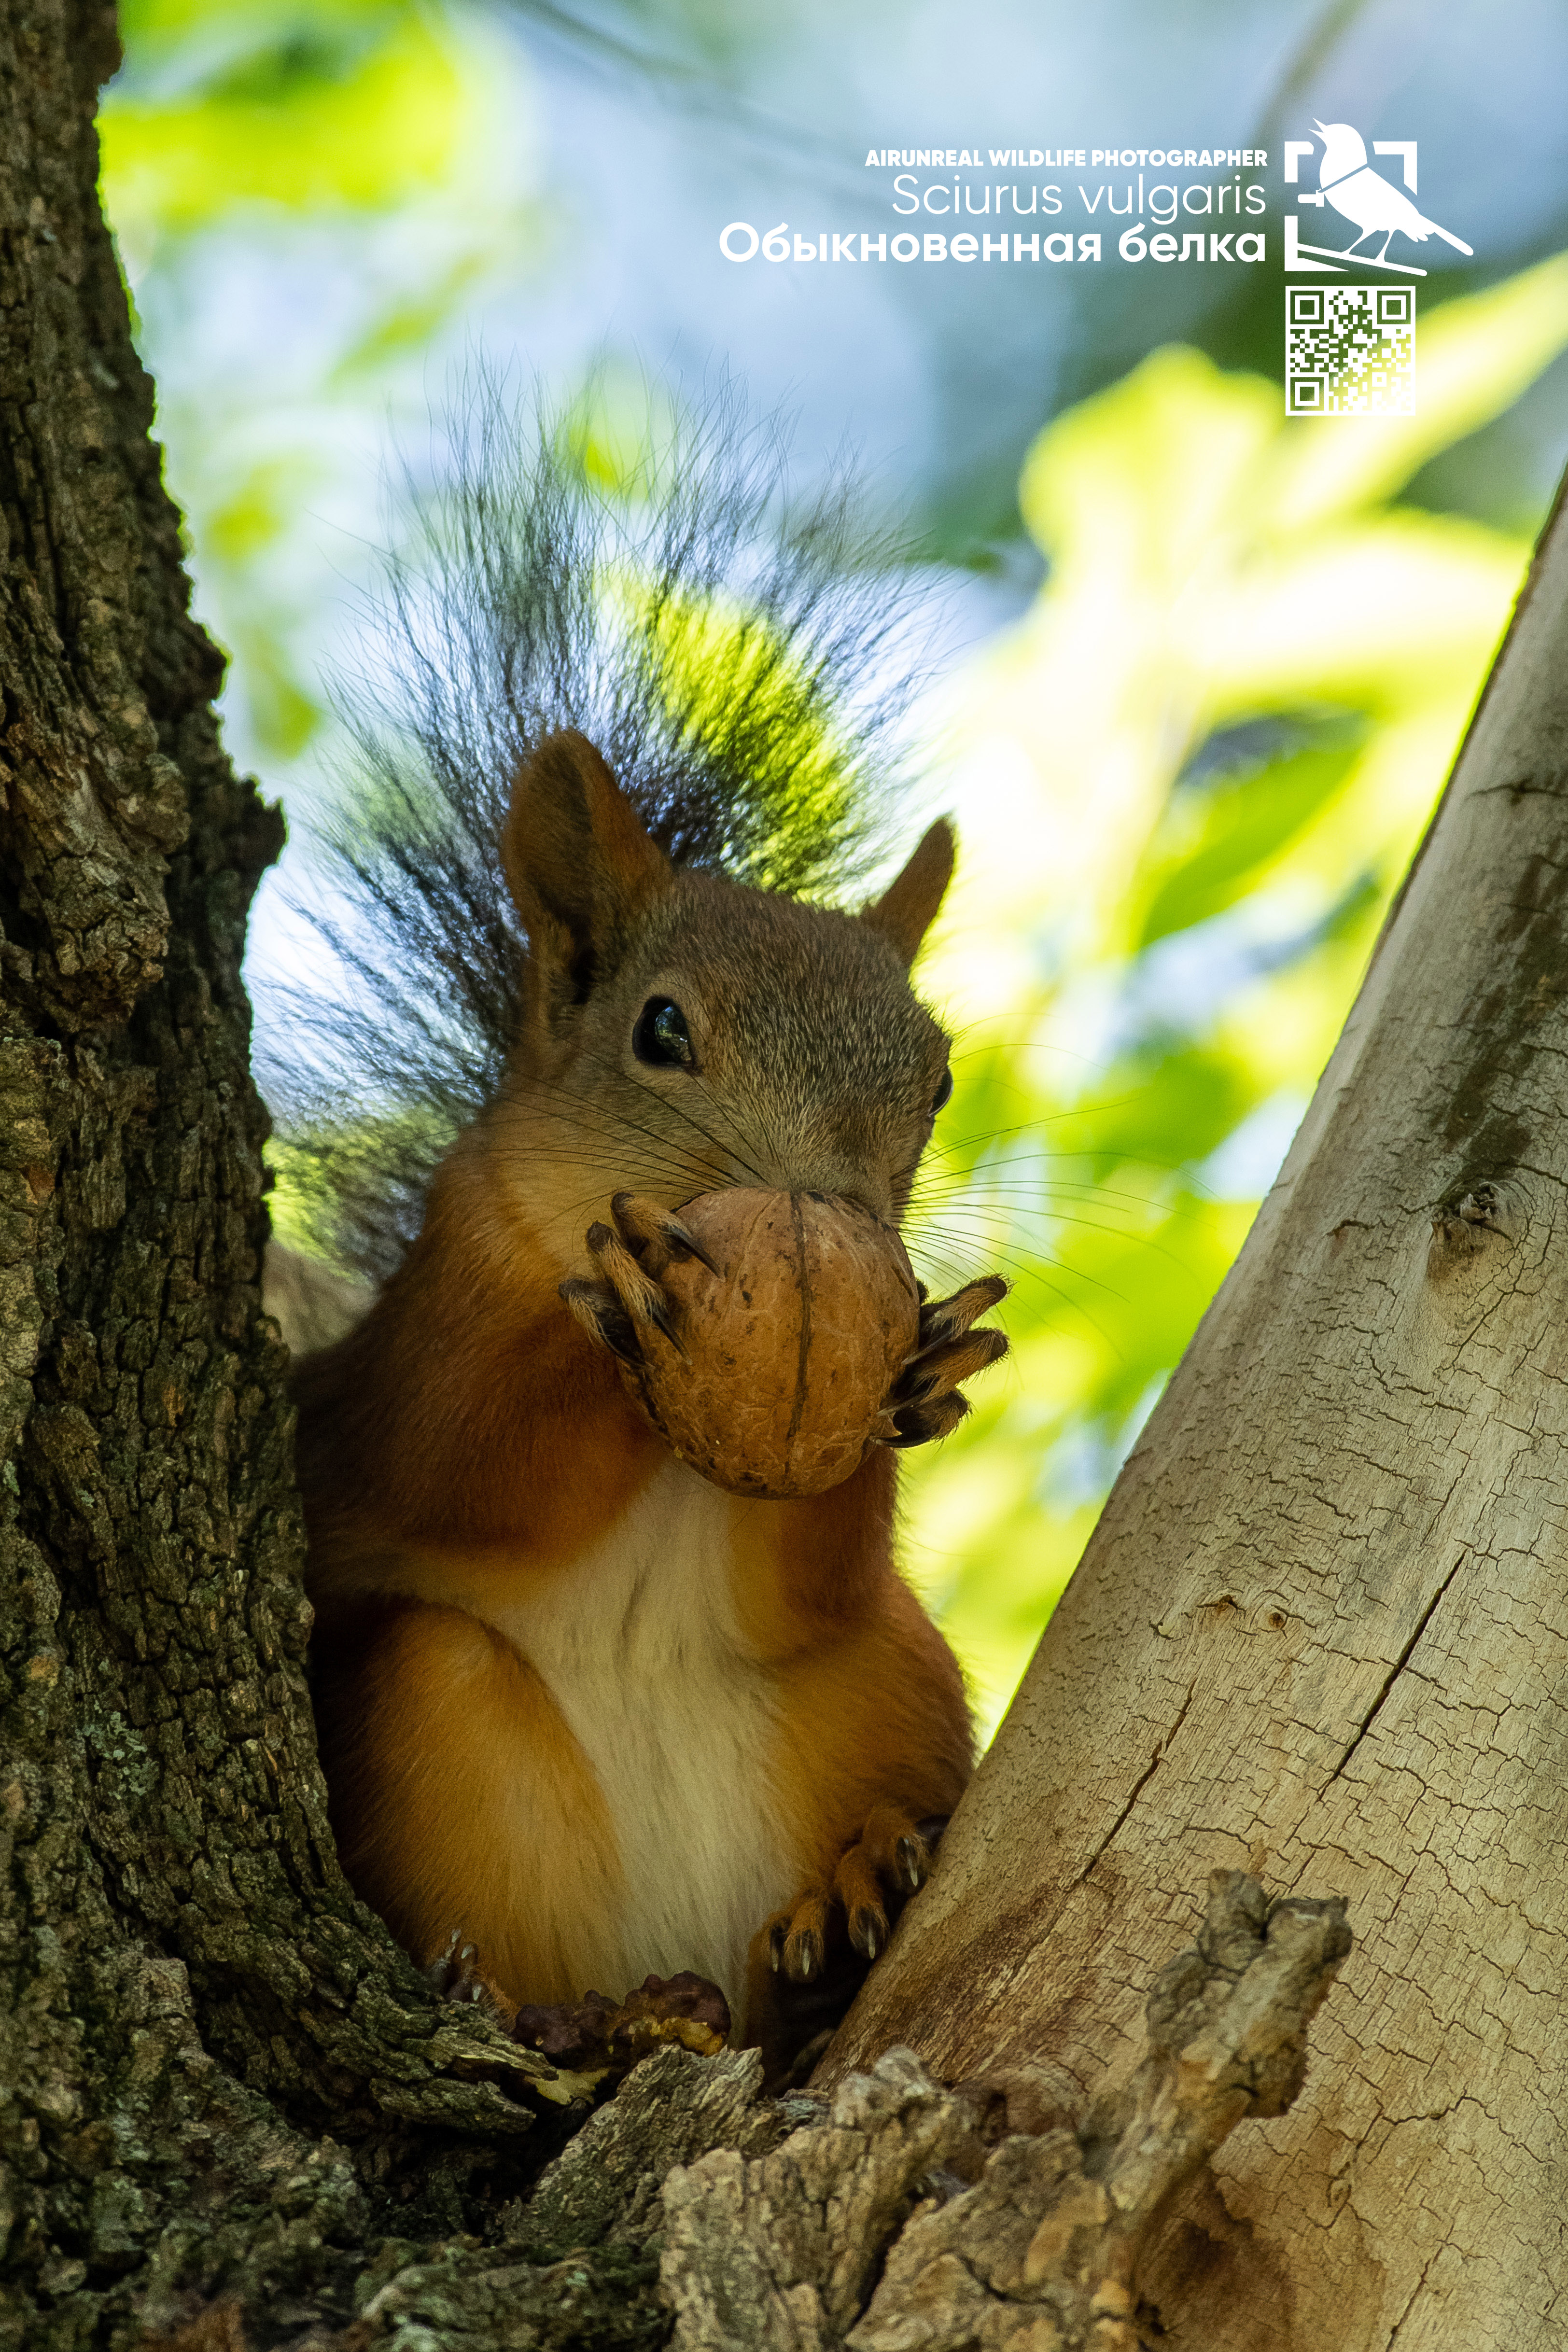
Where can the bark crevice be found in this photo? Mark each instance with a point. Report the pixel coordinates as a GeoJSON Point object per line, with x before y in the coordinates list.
{"type": "Point", "coordinates": [1395, 1671]}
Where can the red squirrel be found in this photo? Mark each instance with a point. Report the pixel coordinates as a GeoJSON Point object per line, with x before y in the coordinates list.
{"type": "Point", "coordinates": [598, 1714]}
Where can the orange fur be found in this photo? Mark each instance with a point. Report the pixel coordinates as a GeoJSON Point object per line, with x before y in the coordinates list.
{"type": "Point", "coordinates": [574, 1701]}
{"type": "Point", "coordinates": [442, 1418]}
{"type": "Point", "coordinates": [430, 1718]}
{"type": "Point", "coordinates": [466, 1448]}
{"type": "Point", "coordinates": [871, 1701]}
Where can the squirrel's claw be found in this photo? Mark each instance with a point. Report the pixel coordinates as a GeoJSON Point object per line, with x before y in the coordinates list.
{"type": "Point", "coordinates": [923, 1401]}
{"type": "Point", "coordinates": [615, 1310]}
{"type": "Point", "coordinates": [872, 1882]}
{"type": "Point", "coordinates": [917, 1425]}
{"type": "Point", "coordinates": [937, 1372]}
{"type": "Point", "coordinates": [603, 1319]}
{"type": "Point", "coordinates": [638, 1292]}
{"type": "Point", "coordinates": [456, 1974]}
{"type": "Point", "coordinates": [658, 1233]}
{"type": "Point", "coordinates": [945, 1318]}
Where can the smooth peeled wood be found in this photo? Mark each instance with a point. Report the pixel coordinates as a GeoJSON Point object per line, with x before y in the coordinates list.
{"type": "Point", "coordinates": [790, 1348]}
{"type": "Point", "coordinates": [1320, 1633]}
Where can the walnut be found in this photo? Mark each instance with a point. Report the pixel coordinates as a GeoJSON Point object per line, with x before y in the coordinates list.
{"type": "Point", "coordinates": [789, 1348]}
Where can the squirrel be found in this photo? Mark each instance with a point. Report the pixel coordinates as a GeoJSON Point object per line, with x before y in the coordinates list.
{"type": "Point", "coordinates": [576, 1705]}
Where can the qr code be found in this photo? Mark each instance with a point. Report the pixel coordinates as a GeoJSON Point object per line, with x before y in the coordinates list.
{"type": "Point", "coordinates": [1350, 350]}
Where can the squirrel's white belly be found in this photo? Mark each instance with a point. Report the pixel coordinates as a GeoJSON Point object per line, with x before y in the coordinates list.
{"type": "Point", "coordinates": [638, 1646]}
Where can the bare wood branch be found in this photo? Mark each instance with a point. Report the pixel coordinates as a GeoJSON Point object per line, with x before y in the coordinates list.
{"type": "Point", "coordinates": [1319, 1626]}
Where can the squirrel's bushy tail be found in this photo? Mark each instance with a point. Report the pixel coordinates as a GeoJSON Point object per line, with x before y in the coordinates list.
{"type": "Point", "coordinates": [735, 661]}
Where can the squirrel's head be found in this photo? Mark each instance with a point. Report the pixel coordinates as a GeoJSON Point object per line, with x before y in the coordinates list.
{"type": "Point", "coordinates": [682, 1031]}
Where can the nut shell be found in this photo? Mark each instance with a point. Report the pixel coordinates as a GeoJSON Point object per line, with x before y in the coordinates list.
{"type": "Point", "coordinates": [791, 1347]}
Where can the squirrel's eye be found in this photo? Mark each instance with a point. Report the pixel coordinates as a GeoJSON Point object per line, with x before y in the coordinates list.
{"type": "Point", "coordinates": [661, 1035]}
{"type": "Point", "coordinates": [943, 1094]}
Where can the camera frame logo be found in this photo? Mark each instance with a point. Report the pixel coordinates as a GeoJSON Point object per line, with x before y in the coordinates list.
{"type": "Point", "coordinates": [1349, 349]}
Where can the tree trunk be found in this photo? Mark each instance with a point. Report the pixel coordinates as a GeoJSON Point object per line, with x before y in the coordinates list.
{"type": "Point", "coordinates": [191, 1990]}
{"type": "Point", "coordinates": [1320, 1633]}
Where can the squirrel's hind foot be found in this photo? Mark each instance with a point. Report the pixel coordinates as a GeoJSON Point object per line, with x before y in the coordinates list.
{"type": "Point", "coordinates": [457, 1976]}
{"type": "Point", "coordinates": [873, 1881]}
{"type": "Point", "coordinates": [810, 1960]}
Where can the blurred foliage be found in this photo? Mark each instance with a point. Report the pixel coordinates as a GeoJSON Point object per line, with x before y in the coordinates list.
{"type": "Point", "coordinates": [356, 102]}
{"type": "Point", "coordinates": [1188, 784]}
{"type": "Point", "coordinates": [309, 196]}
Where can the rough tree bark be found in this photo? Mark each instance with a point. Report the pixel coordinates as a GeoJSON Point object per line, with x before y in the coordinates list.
{"type": "Point", "coordinates": [191, 1993]}
{"type": "Point", "coordinates": [1320, 1633]}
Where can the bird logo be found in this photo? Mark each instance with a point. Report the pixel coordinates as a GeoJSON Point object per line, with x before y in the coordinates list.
{"type": "Point", "coordinates": [1362, 196]}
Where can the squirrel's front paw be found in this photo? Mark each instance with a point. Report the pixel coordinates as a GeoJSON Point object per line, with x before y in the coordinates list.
{"type": "Point", "coordinates": [630, 1257]}
{"type": "Point", "coordinates": [923, 1401]}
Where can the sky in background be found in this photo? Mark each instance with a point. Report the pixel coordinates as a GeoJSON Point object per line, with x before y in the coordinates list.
{"type": "Point", "coordinates": [944, 377]}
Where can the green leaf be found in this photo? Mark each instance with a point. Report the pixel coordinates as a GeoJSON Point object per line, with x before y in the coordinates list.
{"type": "Point", "coordinates": [315, 115]}
{"type": "Point", "coordinates": [1214, 845]}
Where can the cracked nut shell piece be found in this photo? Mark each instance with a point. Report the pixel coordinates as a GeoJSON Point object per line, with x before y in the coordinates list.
{"type": "Point", "coordinates": [791, 1349]}
{"type": "Point", "coordinates": [595, 2035]}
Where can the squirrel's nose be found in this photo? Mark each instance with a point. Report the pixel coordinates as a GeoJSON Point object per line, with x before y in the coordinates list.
{"type": "Point", "coordinates": [840, 1180]}
{"type": "Point", "coordinates": [845, 1156]}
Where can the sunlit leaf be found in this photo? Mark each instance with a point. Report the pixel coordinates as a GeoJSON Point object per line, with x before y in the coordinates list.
{"type": "Point", "coordinates": [340, 107]}
{"type": "Point", "coordinates": [1213, 845]}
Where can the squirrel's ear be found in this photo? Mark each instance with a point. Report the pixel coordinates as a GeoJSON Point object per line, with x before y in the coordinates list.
{"type": "Point", "coordinates": [907, 907]}
{"type": "Point", "coordinates": [579, 866]}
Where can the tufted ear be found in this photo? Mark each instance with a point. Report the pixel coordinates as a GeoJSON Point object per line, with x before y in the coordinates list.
{"type": "Point", "coordinates": [579, 868]}
{"type": "Point", "coordinates": [907, 907]}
